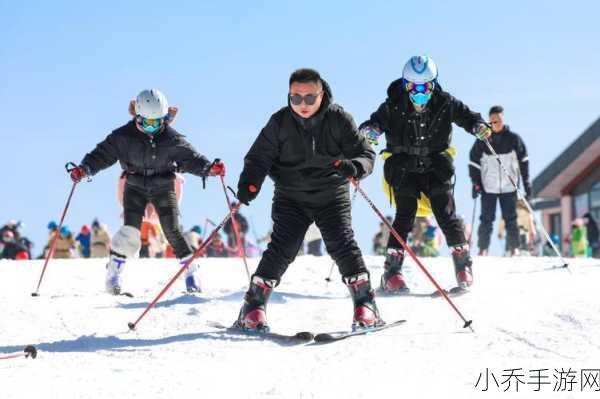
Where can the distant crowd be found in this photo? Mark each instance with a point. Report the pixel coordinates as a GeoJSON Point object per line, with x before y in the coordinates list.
{"type": "Point", "coordinates": [93, 241]}
{"type": "Point", "coordinates": [582, 241]}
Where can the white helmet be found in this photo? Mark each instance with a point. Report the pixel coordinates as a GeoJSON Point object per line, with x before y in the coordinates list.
{"type": "Point", "coordinates": [420, 69]}
{"type": "Point", "coordinates": [151, 104]}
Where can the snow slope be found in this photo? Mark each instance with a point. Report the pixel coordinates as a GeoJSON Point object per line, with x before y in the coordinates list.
{"type": "Point", "coordinates": [524, 317]}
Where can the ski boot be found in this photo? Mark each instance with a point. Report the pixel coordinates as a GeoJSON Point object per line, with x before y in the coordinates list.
{"type": "Point", "coordinates": [253, 314]}
{"type": "Point", "coordinates": [192, 282]}
{"type": "Point", "coordinates": [462, 265]}
{"type": "Point", "coordinates": [114, 267]}
{"type": "Point", "coordinates": [366, 313]}
{"type": "Point", "coordinates": [392, 280]}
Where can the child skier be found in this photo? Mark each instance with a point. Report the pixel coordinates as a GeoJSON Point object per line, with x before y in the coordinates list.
{"type": "Point", "coordinates": [150, 151]}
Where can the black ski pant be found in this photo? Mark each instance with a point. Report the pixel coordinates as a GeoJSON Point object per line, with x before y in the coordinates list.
{"type": "Point", "coordinates": [293, 212]}
{"type": "Point", "coordinates": [164, 200]}
{"type": "Point", "coordinates": [441, 196]}
{"type": "Point", "coordinates": [508, 206]}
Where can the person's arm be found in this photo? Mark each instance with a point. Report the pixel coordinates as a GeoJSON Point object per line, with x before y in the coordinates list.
{"type": "Point", "coordinates": [258, 161]}
{"type": "Point", "coordinates": [523, 159]}
{"type": "Point", "coordinates": [464, 117]}
{"type": "Point", "coordinates": [377, 124]}
{"type": "Point", "coordinates": [189, 160]}
{"type": "Point", "coordinates": [355, 146]}
{"type": "Point", "coordinates": [103, 156]}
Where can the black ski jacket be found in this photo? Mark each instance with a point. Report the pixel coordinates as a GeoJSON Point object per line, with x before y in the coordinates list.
{"type": "Point", "coordinates": [298, 154]}
{"type": "Point", "coordinates": [149, 161]}
{"type": "Point", "coordinates": [484, 169]}
{"type": "Point", "coordinates": [418, 140]}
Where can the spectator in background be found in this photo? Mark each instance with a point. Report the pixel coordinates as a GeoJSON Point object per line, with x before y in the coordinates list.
{"type": "Point", "coordinates": [242, 223]}
{"type": "Point", "coordinates": [527, 230]}
{"type": "Point", "coordinates": [431, 240]}
{"type": "Point", "coordinates": [217, 248]}
{"type": "Point", "coordinates": [592, 235]}
{"type": "Point", "coordinates": [12, 226]}
{"type": "Point", "coordinates": [148, 233]}
{"type": "Point", "coordinates": [548, 250]}
{"type": "Point", "coordinates": [52, 229]}
{"type": "Point", "coordinates": [194, 237]}
{"type": "Point", "coordinates": [65, 244]}
{"type": "Point", "coordinates": [579, 241]}
{"type": "Point", "coordinates": [100, 240]}
{"type": "Point", "coordinates": [381, 238]}
{"type": "Point", "coordinates": [84, 238]}
{"type": "Point", "coordinates": [12, 249]}
{"type": "Point", "coordinates": [491, 182]}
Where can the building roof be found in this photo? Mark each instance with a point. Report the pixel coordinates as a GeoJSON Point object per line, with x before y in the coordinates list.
{"type": "Point", "coordinates": [580, 156]}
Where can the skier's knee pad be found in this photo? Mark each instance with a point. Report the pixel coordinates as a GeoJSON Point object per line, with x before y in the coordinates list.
{"type": "Point", "coordinates": [127, 242]}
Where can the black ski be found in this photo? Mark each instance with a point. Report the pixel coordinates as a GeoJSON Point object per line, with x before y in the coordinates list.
{"type": "Point", "coordinates": [452, 292]}
{"type": "Point", "coordinates": [292, 339]}
{"type": "Point", "coordinates": [325, 338]}
{"type": "Point", "coordinates": [127, 294]}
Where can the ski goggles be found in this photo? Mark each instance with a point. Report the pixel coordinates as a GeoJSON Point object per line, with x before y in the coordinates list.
{"type": "Point", "coordinates": [309, 99]}
{"type": "Point", "coordinates": [150, 125]}
{"type": "Point", "coordinates": [424, 88]}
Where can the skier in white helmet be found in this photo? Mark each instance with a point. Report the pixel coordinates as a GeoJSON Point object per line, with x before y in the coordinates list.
{"type": "Point", "coordinates": [416, 119]}
{"type": "Point", "coordinates": [150, 151]}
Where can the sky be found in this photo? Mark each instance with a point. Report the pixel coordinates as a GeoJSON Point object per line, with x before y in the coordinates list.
{"type": "Point", "coordinates": [69, 69]}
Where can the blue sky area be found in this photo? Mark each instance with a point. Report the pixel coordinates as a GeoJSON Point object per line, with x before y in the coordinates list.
{"type": "Point", "coordinates": [68, 70]}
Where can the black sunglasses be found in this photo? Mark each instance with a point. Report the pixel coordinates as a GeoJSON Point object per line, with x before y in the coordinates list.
{"type": "Point", "coordinates": [309, 99]}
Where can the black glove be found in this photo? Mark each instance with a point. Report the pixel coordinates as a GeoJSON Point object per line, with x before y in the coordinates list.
{"type": "Point", "coordinates": [527, 187]}
{"type": "Point", "coordinates": [346, 168]}
{"type": "Point", "coordinates": [246, 193]}
{"type": "Point", "coordinates": [475, 191]}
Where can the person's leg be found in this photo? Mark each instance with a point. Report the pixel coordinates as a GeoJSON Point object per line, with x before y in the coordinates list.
{"type": "Point", "coordinates": [444, 208]}
{"type": "Point", "coordinates": [290, 222]}
{"type": "Point", "coordinates": [165, 203]}
{"type": "Point", "coordinates": [126, 242]}
{"type": "Point", "coordinates": [508, 207]}
{"type": "Point", "coordinates": [334, 219]}
{"type": "Point", "coordinates": [487, 217]}
{"type": "Point", "coordinates": [392, 280]}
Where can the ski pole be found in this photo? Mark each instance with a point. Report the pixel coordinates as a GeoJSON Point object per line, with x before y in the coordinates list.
{"type": "Point", "coordinates": [199, 252]}
{"type": "Point", "coordinates": [522, 197]}
{"type": "Point", "coordinates": [328, 278]}
{"type": "Point", "coordinates": [236, 230]}
{"type": "Point", "coordinates": [472, 222]}
{"type": "Point", "coordinates": [69, 167]}
{"type": "Point", "coordinates": [29, 351]}
{"type": "Point", "coordinates": [411, 253]}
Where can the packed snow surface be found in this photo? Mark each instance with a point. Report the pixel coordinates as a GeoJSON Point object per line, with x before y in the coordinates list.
{"type": "Point", "coordinates": [526, 316]}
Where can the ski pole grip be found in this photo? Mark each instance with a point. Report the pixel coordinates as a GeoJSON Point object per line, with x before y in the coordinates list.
{"type": "Point", "coordinates": [70, 166]}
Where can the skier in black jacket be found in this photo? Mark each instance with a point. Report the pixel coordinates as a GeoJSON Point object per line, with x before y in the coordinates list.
{"type": "Point", "coordinates": [150, 151]}
{"type": "Point", "coordinates": [299, 149]}
{"type": "Point", "coordinates": [417, 119]}
{"type": "Point", "coordinates": [491, 182]}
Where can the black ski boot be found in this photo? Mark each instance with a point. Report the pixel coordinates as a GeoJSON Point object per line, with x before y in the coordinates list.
{"type": "Point", "coordinates": [463, 264]}
{"type": "Point", "coordinates": [253, 315]}
{"type": "Point", "coordinates": [366, 313]}
{"type": "Point", "coordinates": [392, 280]}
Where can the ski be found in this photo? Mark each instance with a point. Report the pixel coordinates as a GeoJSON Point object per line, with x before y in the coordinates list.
{"type": "Point", "coordinates": [324, 338]}
{"type": "Point", "coordinates": [127, 294]}
{"type": "Point", "coordinates": [453, 292]}
{"type": "Point", "coordinates": [298, 338]}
